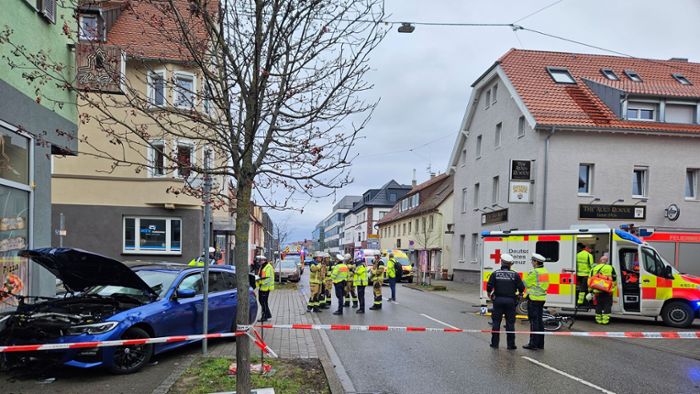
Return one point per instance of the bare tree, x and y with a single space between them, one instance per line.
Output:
280 99
426 237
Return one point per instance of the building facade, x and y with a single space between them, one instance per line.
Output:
418 224
359 222
38 118
318 237
550 140
334 225
139 211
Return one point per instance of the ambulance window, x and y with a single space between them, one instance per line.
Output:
652 262
548 249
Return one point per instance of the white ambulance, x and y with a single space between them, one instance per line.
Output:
647 285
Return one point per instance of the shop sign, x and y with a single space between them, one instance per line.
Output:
521 170
612 212
494 217
520 192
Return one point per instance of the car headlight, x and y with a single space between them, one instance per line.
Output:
92 329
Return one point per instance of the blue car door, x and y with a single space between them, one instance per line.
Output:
183 316
221 300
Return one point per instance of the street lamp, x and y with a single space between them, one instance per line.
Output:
406 27
616 201
489 208
594 200
477 209
496 205
643 200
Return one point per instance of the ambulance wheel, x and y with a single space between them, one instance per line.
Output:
678 314
521 308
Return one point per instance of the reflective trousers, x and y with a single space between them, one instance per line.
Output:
315 297
603 306
350 294
581 289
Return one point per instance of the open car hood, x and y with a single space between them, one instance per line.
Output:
80 270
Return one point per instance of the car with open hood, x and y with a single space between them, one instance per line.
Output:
108 300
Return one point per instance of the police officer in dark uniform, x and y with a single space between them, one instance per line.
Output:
504 287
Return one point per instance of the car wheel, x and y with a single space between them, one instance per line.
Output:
677 314
129 359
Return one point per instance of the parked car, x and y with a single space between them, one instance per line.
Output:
289 270
296 258
308 261
108 300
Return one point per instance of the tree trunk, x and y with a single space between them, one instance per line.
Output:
243 194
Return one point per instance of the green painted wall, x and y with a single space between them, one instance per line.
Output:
32 30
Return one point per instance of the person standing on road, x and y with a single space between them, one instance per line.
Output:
360 282
602 299
339 275
391 272
326 283
350 294
504 286
315 284
377 272
266 284
584 263
536 283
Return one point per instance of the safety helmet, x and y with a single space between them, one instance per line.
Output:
212 249
506 259
538 258
347 257
339 257
318 254
261 257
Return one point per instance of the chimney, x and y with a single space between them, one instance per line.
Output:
679 59
413 181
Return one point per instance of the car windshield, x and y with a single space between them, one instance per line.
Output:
293 258
159 281
287 264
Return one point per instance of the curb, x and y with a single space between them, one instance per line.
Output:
169 382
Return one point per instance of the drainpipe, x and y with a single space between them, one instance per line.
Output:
546 174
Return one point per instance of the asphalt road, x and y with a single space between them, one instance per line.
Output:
395 362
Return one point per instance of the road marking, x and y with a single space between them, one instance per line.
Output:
587 383
438 321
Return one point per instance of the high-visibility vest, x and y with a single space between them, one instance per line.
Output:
584 262
391 271
315 274
360 277
536 283
267 278
339 273
377 274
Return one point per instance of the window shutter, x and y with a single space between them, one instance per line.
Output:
48 9
32 3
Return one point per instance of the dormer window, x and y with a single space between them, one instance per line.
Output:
641 111
633 76
609 74
681 79
560 75
88 29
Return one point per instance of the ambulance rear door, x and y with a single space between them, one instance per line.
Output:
559 250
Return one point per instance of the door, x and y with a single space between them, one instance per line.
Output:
183 316
558 250
655 286
628 279
221 298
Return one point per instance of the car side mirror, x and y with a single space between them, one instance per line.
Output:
186 293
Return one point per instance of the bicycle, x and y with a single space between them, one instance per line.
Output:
554 321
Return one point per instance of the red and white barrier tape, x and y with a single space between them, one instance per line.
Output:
603 334
133 342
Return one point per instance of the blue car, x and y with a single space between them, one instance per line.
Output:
108 300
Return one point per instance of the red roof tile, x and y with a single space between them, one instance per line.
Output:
554 104
147 29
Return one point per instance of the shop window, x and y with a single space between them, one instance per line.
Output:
152 235
548 249
14 157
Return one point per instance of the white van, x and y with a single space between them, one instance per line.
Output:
646 284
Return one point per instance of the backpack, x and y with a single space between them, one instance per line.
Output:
601 282
398 270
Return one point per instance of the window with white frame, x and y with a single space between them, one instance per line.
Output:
585 178
497 139
495 191
487 102
691 183
155 235
409 226
88 28
475 246
609 74
521 126
633 76
156 158
156 88
478 147
464 156
494 94
681 79
462 247
560 75
184 153
464 200
207 100
476 195
431 222
640 182
641 111
184 90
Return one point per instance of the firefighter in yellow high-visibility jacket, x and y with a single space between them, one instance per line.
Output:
377 272
315 284
266 284
327 282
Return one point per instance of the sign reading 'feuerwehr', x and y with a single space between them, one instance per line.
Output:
611 212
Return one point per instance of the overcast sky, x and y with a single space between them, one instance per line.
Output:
424 78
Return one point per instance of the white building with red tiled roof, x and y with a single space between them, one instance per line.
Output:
553 139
